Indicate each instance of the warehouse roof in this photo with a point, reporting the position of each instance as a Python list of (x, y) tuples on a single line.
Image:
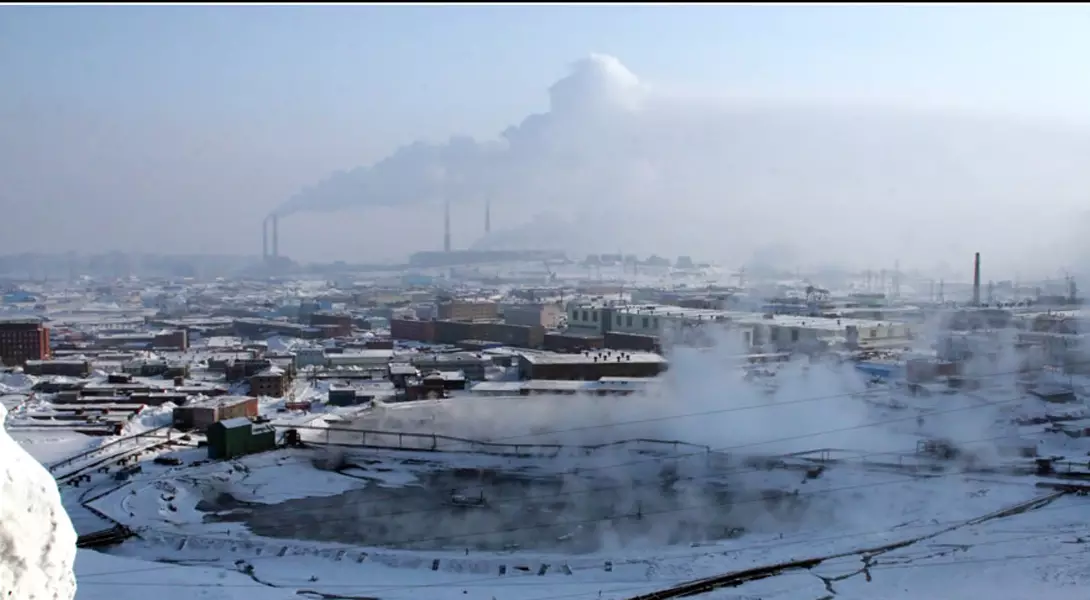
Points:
[(592, 356)]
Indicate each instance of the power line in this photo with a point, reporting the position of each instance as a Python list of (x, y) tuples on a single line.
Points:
[(327, 518), (661, 459), (740, 446)]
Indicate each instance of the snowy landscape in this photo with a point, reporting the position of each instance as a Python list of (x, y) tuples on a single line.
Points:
[(552, 303), (817, 489)]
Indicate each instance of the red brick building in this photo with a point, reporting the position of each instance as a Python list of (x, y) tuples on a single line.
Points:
[(22, 340)]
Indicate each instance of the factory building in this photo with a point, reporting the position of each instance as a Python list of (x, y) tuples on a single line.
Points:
[(590, 365), (412, 330), (63, 368)]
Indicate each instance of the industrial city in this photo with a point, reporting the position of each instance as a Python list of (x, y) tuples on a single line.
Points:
[(612, 423), (720, 302)]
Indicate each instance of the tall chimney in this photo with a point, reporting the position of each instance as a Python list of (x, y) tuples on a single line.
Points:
[(265, 239), (446, 226), (976, 279), (487, 216), (275, 236)]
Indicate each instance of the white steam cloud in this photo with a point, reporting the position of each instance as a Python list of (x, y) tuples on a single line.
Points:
[(617, 163)]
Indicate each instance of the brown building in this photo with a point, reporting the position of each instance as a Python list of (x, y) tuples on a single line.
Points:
[(200, 415), (237, 370), (272, 382), (413, 330), (22, 340), (332, 324), (461, 310)]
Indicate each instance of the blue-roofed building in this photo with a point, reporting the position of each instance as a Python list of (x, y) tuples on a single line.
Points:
[(881, 370)]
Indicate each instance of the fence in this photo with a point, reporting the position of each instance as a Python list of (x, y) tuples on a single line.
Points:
[(98, 449), (434, 442)]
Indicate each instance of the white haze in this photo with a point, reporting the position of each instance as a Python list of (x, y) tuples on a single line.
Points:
[(705, 401), (619, 164)]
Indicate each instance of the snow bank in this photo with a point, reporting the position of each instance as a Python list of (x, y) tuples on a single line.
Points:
[(37, 540)]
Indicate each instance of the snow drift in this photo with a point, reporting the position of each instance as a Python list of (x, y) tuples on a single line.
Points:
[(37, 540)]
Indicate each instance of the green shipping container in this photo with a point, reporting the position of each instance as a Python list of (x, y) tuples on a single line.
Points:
[(229, 438), (262, 438)]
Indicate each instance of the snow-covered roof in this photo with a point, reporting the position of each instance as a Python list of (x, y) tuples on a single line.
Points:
[(236, 423)]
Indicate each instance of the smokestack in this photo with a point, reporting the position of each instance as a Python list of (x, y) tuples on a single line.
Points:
[(265, 239), (976, 279), (487, 216), (275, 236), (446, 226)]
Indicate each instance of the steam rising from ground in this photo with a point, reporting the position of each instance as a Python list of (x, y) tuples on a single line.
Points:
[(704, 399), (613, 498), (616, 162)]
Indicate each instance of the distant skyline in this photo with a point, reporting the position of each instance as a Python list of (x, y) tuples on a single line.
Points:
[(176, 129)]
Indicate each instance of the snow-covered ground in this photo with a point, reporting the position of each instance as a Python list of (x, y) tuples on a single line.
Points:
[(279, 525)]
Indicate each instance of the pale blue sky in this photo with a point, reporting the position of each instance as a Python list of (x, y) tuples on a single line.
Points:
[(292, 93)]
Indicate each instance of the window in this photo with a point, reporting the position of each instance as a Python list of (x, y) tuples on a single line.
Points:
[(595, 316), (618, 320), (646, 323), (656, 319), (586, 317), (628, 321)]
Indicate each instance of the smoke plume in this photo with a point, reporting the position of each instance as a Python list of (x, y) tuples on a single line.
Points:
[(618, 163)]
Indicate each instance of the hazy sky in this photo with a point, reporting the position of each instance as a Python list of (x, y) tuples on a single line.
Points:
[(179, 128)]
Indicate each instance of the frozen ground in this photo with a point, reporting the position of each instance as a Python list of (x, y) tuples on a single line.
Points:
[(275, 525)]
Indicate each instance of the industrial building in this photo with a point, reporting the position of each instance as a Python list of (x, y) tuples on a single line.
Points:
[(549, 316), (570, 341), (750, 330), (58, 367), (470, 364), (22, 340), (199, 415), (332, 324), (468, 310), (239, 436), (176, 339), (590, 365), (412, 330), (360, 392), (607, 386)]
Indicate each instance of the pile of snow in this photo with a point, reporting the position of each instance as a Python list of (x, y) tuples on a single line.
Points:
[(37, 540), (13, 383)]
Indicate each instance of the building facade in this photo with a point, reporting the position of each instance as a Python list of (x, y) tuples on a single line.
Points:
[(22, 340)]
